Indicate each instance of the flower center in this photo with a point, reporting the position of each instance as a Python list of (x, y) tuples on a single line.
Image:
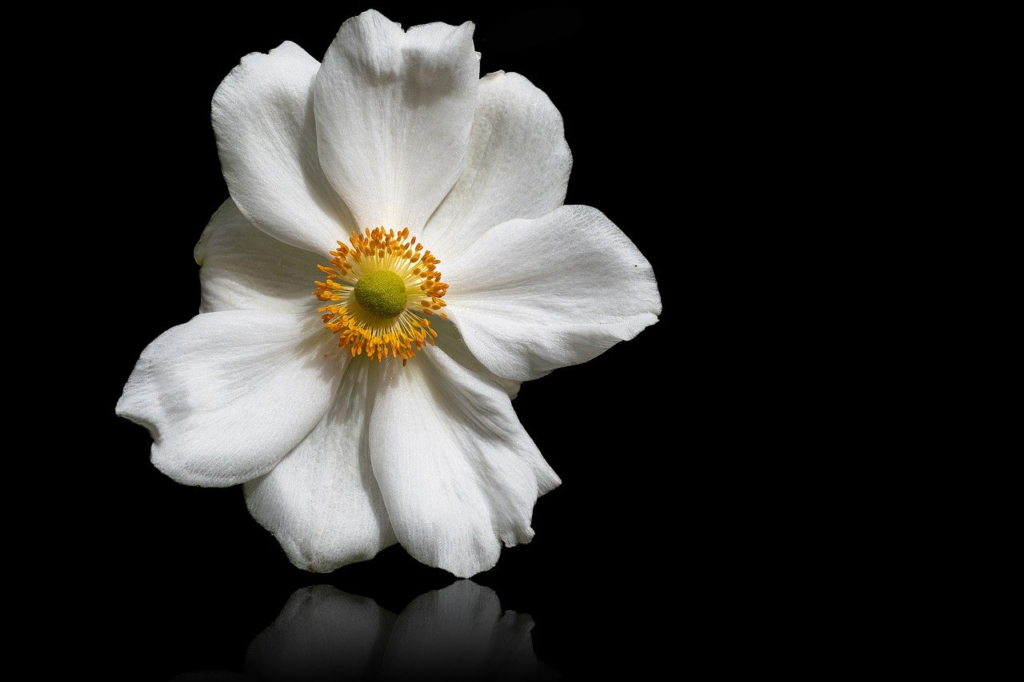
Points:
[(381, 291)]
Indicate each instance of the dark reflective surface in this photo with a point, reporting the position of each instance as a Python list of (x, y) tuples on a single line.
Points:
[(457, 633)]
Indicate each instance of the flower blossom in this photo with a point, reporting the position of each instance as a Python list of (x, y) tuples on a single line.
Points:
[(394, 260)]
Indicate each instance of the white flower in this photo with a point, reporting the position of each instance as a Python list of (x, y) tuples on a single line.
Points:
[(396, 139)]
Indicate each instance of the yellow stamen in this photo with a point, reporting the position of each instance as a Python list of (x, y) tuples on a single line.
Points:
[(372, 318)]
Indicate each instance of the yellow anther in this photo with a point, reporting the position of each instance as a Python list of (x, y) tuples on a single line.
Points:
[(382, 287)]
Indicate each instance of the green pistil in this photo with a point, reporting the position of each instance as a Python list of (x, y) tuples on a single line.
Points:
[(382, 293)]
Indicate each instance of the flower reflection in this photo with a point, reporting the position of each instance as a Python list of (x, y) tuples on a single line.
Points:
[(456, 633)]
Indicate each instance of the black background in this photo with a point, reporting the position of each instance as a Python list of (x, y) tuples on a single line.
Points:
[(190, 578)]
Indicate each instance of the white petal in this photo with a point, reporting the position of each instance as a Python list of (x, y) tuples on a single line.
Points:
[(321, 634), (518, 165), (393, 114), (322, 502), (533, 295), (228, 394), (449, 339), (266, 135), (245, 269), (458, 472)]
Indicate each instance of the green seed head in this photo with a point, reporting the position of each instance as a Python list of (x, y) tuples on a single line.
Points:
[(382, 293)]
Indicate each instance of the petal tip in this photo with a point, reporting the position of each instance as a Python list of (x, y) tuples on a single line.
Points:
[(459, 562), (173, 470), (466, 571), (286, 46), (127, 410), (517, 536), (315, 562), (546, 484)]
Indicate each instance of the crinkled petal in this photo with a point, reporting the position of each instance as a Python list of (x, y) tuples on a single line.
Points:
[(393, 115), (266, 136), (245, 269), (322, 501), (227, 395), (533, 295), (518, 165), (458, 472)]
